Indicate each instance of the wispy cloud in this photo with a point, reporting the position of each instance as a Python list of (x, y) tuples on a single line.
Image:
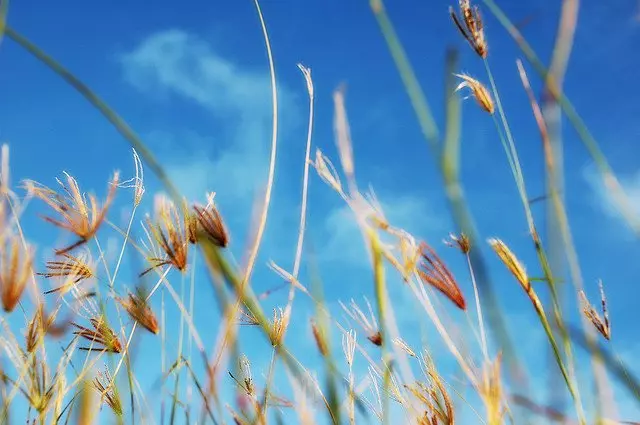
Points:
[(605, 200), (177, 63)]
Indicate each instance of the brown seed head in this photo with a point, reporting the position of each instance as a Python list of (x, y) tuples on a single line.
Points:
[(101, 334), (78, 216), (74, 269), (369, 324), (435, 273), (191, 227), (479, 91), (602, 325), (211, 223), (169, 235), (318, 336), (15, 271), (140, 311), (471, 27), (461, 242)]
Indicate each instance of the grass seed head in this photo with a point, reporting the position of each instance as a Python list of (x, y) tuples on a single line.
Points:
[(319, 337), (73, 269), (101, 334), (368, 324), (15, 271), (211, 223), (435, 273), (601, 324), (168, 233), (459, 241), (138, 308), (110, 397), (79, 216), (279, 326), (471, 27), (478, 90)]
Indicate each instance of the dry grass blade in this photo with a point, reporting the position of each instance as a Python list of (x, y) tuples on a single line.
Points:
[(101, 334), (15, 271), (473, 28), (111, 398), (138, 308), (78, 216), (435, 273), (169, 235), (211, 223), (601, 324)]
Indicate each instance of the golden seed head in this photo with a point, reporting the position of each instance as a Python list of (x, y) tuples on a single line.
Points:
[(73, 269), (78, 216), (104, 385), (318, 336), (169, 235), (101, 335), (479, 91), (509, 259), (279, 326), (15, 271)]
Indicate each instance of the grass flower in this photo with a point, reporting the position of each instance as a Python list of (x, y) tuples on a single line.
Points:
[(278, 326), (602, 325), (169, 234), (78, 216), (514, 265), (478, 90), (110, 397), (459, 241), (211, 223), (471, 27), (138, 308), (101, 334), (15, 271), (370, 325), (320, 339), (435, 273), (74, 269)]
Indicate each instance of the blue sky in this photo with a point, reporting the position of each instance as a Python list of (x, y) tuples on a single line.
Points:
[(192, 80)]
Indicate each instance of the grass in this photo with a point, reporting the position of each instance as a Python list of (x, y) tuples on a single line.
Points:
[(82, 331)]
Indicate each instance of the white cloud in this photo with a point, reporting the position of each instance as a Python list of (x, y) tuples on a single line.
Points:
[(184, 64), (606, 201), (178, 63)]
